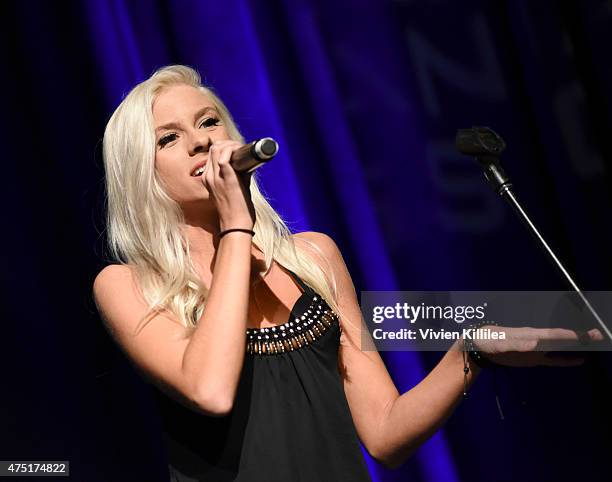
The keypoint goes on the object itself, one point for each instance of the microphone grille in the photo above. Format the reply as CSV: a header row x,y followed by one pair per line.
x,y
268,146
265,148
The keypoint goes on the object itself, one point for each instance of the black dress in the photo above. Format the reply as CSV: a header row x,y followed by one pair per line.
x,y
290,421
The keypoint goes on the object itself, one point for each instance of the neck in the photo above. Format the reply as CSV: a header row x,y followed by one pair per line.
x,y
201,225
200,228
201,239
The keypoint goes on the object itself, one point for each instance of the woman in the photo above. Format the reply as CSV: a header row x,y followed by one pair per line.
x,y
251,333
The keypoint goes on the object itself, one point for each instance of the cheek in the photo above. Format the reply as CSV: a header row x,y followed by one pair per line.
x,y
223,134
168,180
164,175
163,166
170,173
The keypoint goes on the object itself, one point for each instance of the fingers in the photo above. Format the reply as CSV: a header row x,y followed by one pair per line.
x,y
219,156
228,188
221,152
559,338
595,335
213,159
208,175
555,338
569,335
531,346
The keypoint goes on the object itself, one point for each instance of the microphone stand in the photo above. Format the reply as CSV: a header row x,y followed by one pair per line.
x,y
486,146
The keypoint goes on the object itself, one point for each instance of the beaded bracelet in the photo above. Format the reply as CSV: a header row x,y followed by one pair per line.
x,y
470,352
475,355
223,233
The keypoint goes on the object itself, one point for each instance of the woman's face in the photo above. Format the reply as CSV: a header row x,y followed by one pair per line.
x,y
186,124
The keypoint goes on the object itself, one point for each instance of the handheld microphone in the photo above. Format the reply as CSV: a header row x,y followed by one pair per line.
x,y
250,156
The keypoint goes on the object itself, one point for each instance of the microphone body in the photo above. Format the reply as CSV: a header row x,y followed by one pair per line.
x,y
254,154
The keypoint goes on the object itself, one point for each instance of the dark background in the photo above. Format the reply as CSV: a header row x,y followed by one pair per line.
x,y
365,98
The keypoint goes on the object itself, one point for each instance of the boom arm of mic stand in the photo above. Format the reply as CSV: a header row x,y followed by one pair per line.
x,y
486,146
506,192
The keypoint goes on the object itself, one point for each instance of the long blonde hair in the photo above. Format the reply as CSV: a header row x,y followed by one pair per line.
x,y
144,223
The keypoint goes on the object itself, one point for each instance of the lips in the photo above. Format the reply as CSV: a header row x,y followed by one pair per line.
x,y
197,169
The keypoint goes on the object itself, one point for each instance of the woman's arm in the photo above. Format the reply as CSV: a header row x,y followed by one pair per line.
x,y
392,426
215,353
202,370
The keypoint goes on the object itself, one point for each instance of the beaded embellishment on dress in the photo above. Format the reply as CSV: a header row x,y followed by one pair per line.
x,y
294,334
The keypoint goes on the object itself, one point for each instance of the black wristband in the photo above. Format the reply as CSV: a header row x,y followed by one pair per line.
x,y
223,233
470,347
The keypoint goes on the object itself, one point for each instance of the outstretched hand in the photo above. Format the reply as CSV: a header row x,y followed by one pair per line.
x,y
525,347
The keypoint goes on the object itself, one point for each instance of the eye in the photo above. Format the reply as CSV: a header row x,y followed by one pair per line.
x,y
210,122
166,139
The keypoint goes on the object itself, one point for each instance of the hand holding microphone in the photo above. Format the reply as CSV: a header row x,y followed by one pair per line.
x,y
227,177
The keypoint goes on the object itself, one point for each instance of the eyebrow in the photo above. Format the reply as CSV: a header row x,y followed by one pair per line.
x,y
198,114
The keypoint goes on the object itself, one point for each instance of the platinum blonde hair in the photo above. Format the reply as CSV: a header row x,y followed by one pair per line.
x,y
144,225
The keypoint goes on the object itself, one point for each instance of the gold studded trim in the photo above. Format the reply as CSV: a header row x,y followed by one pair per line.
x,y
295,334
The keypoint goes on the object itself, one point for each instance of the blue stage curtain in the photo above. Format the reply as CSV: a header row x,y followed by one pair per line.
x,y
365,97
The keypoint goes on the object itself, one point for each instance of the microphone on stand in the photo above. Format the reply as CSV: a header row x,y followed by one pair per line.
x,y
254,154
486,146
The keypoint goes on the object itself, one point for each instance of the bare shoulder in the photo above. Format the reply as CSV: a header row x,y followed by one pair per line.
x,y
328,256
109,277
154,341
346,297
112,279
321,241
119,300
111,286
112,272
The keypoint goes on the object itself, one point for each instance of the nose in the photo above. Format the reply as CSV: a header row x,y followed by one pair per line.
x,y
200,142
